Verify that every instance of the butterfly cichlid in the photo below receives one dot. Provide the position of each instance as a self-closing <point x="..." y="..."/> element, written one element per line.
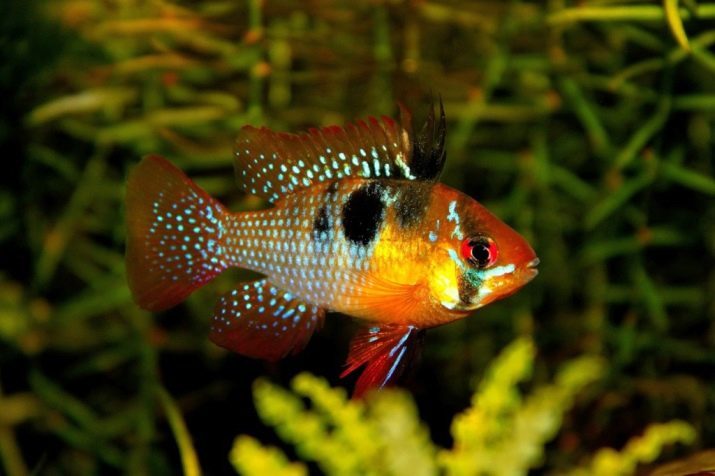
<point x="358" y="225"/>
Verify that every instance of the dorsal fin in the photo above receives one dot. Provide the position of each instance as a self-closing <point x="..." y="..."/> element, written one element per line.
<point x="271" y="164"/>
<point x="428" y="152"/>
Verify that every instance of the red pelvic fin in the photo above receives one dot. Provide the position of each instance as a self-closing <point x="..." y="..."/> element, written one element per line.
<point x="385" y="351"/>
<point x="173" y="235"/>
<point x="259" y="320"/>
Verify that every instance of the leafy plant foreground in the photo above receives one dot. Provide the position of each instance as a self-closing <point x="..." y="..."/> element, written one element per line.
<point x="502" y="433"/>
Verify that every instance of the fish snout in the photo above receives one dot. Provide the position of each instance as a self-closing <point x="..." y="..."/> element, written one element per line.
<point x="530" y="270"/>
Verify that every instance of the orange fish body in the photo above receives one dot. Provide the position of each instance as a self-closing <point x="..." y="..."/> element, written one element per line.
<point x="359" y="225"/>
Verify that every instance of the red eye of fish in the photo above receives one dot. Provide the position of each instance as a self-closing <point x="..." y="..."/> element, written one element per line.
<point x="480" y="251"/>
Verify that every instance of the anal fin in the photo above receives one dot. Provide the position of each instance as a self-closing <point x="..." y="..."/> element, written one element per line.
<point x="385" y="351"/>
<point x="259" y="320"/>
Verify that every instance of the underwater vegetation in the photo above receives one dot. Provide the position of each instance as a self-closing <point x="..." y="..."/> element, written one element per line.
<point x="586" y="126"/>
<point x="502" y="432"/>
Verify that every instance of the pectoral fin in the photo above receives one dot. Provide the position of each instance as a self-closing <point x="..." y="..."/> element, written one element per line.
<point x="383" y="300"/>
<point x="385" y="352"/>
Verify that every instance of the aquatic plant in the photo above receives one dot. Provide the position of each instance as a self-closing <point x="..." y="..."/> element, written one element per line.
<point x="502" y="433"/>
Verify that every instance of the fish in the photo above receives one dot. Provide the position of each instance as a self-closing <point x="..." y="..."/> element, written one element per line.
<point x="358" y="224"/>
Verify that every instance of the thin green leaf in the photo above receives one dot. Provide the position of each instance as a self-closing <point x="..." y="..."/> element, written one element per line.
<point x="675" y="23"/>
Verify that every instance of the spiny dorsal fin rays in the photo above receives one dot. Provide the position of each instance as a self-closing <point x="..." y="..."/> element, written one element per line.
<point x="429" y="153"/>
<point x="271" y="164"/>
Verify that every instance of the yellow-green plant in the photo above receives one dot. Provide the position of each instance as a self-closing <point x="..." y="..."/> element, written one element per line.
<point x="503" y="432"/>
<point x="644" y="449"/>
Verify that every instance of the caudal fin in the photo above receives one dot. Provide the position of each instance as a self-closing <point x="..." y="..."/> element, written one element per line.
<point x="174" y="235"/>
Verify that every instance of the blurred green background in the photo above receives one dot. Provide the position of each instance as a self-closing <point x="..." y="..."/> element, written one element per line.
<point x="589" y="126"/>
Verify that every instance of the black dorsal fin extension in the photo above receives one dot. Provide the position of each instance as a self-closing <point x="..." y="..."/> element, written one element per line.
<point x="428" y="152"/>
<point x="273" y="164"/>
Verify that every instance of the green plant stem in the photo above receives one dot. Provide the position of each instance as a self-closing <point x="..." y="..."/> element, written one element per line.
<point x="675" y="21"/>
<point x="189" y="460"/>
<point x="59" y="237"/>
<point x="10" y="453"/>
<point x="624" y="13"/>
<point x="255" y="22"/>
<point x="641" y="137"/>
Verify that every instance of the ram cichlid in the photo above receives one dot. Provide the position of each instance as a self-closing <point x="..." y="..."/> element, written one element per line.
<point x="358" y="225"/>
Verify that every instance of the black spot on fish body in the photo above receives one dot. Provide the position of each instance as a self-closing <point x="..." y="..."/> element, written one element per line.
<point x="411" y="204"/>
<point x="321" y="224"/>
<point x="332" y="188"/>
<point x="363" y="213"/>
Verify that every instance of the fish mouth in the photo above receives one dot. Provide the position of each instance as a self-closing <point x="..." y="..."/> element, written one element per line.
<point x="530" y="270"/>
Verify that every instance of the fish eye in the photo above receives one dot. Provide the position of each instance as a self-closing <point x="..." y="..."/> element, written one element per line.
<point x="480" y="251"/>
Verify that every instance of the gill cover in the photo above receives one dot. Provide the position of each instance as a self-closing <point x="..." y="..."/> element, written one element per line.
<point x="482" y="259"/>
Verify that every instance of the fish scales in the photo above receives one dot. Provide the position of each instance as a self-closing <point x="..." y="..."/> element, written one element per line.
<point x="358" y="225"/>
<point x="301" y="245"/>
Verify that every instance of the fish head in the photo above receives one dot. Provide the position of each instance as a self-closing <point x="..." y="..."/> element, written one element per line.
<point x="479" y="258"/>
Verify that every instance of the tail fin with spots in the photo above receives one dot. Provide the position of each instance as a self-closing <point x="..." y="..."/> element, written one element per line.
<point x="174" y="231"/>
